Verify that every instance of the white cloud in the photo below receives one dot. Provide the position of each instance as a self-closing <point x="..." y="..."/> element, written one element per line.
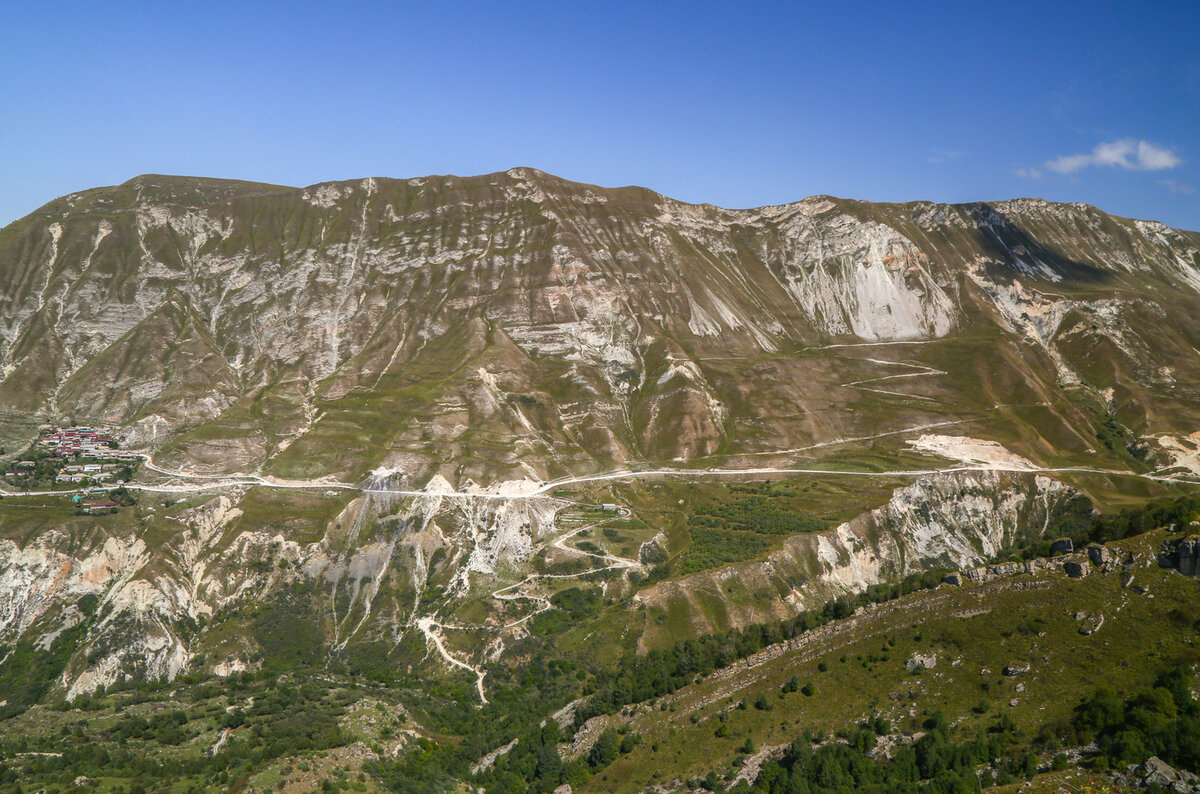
<point x="938" y="156"/>
<point x="1155" y="158"/>
<point x="1029" y="173"/>
<point x="1177" y="188"/>
<point x="1127" y="153"/>
<point x="1069" y="163"/>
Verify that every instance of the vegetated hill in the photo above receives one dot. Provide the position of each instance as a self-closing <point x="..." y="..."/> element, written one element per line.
<point x="377" y="416"/>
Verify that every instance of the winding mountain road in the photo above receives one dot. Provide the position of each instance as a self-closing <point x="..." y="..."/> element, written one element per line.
<point x="544" y="490"/>
<point x="432" y="629"/>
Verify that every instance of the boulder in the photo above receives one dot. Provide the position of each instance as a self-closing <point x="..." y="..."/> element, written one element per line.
<point x="1187" y="556"/>
<point x="1100" y="555"/>
<point x="954" y="579"/>
<point x="1090" y="624"/>
<point x="1155" y="770"/>
<point x="1076" y="570"/>
<point x="1062" y="546"/>
<point x="919" y="661"/>
<point x="1015" y="670"/>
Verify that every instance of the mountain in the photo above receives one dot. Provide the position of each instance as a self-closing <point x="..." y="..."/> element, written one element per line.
<point x="497" y="326"/>
<point x="430" y="429"/>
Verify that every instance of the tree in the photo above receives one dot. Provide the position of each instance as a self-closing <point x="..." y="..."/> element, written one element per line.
<point x="549" y="765"/>
<point x="1102" y="711"/>
<point x="605" y="750"/>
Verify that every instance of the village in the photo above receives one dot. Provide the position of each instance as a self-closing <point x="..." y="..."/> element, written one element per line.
<point x="87" y="460"/>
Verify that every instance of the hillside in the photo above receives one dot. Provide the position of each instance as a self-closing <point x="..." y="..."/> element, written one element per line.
<point x="420" y="447"/>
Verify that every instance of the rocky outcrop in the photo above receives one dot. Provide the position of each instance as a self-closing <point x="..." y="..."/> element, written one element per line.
<point x="148" y="603"/>
<point x="1156" y="772"/>
<point x="945" y="520"/>
<point x="652" y="553"/>
<point x="988" y="572"/>
<point x="42" y="585"/>
<point x="152" y="604"/>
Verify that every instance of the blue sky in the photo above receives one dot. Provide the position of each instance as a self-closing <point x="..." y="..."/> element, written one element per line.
<point x="737" y="104"/>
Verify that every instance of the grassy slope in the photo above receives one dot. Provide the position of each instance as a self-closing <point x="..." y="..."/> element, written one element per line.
<point x="972" y="629"/>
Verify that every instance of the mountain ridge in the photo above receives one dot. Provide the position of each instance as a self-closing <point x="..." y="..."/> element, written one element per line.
<point x="262" y="188"/>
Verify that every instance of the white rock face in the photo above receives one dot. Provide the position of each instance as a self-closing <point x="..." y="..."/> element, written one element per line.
<point x="150" y="602"/>
<point x="959" y="520"/>
<point x="41" y="585"/>
<point x="143" y="596"/>
<point x="946" y="520"/>
<point x="502" y="532"/>
<point x="850" y="277"/>
<point x="972" y="451"/>
<point x="1183" y="452"/>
